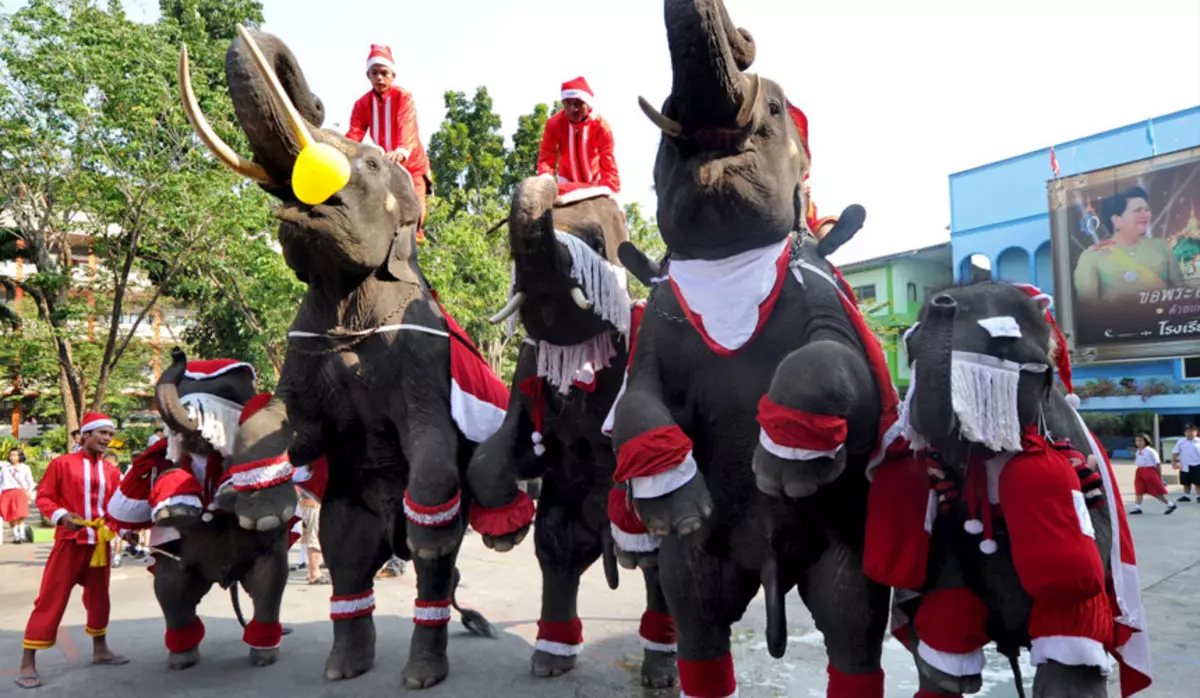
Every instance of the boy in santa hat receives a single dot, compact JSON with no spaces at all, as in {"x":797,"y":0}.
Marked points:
{"x":74,"y":494}
{"x":577,"y":144}
{"x":389,"y":114}
{"x":818,"y":225}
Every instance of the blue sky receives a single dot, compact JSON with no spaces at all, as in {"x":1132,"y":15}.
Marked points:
{"x":898,"y":95}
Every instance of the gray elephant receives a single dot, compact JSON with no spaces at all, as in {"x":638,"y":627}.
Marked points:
{"x":996,"y":515}
{"x":174,"y":487}
{"x":756,"y":391}
{"x":571,"y":296}
{"x":377,"y":377}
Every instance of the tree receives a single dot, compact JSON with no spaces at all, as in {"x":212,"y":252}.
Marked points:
{"x":467,"y":153}
{"x":521,"y":160}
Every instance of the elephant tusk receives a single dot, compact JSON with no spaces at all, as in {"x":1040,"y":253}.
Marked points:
{"x":510,"y":308}
{"x":295,"y":121}
{"x":667,"y":125}
{"x":746,"y":112}
{"x":580,"y":299}
{"x":218,"y":147}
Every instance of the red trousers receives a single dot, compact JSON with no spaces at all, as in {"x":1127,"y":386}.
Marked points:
{"x":67,"y":566}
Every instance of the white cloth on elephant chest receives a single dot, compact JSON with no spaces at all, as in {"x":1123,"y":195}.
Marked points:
{"x":728,"y":300}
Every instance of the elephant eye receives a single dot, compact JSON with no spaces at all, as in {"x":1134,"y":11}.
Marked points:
{"x":372,"y":164}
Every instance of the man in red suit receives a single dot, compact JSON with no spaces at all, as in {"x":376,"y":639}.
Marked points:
{"x":577,"y":144}
{"x":818,"y":225}
{"x":389,"y":114}
{"x":74,"y":494}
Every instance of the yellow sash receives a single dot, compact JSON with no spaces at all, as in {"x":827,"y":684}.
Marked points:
{"x":104,"y":535}
{"x":1145,"y":274}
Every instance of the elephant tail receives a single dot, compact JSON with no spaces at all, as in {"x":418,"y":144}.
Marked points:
{"x":474,"y":621}
{"x":1016,"y":670}
{"x":773,"y":592}
{"x":611,"y":574}
{"x":237,"y":604}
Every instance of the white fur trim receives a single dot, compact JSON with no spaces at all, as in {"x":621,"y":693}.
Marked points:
{"x":1081,"y":512}
{"x":578,"y":94}
{"x":789,"y":453}
{"x":1001,"y":326}
{"x":57,"y":516}
{"x":221,"y":371}
{"x":380,"y":60}
{"x":959,"y":665}
{"x":189,"y":500}
{"x":583,"y":194}
{"x":558,"y":649}
{"x":665,"y":482}
{"x":403,"y":151}
{"x":727,"y":293}
{"x":1072,"y":651}
{"x":432,"y":614}
{"x":635,"y":542}
{"x":123,"y":508}
{"x":359,"y":605}
{"x":658,"y":646}
{"x":439,"y":519}
{"x":97,"y":424}
{"x":477,"y":419}
{"x":261,"y":475}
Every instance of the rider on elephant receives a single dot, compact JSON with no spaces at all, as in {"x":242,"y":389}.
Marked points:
{"x":389,"y":114}
{"x":577,"y":144}
{"x":818,"y":225}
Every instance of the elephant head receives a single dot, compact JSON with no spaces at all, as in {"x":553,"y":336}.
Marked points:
{"x":201,"y":402}
{"x":366,"y":227}
{"x":730,"y":164}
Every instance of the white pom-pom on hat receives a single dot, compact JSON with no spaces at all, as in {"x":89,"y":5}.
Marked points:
{"x":1073,"y":400}
{"x":538,"y":449}
{"x":988,"y":547}
{"x":973,"y":526}
{"x":537,"y":437}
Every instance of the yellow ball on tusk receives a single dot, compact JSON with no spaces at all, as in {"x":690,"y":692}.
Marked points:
{"x":320,"y":172}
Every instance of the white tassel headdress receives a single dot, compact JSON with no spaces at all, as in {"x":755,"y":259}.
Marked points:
{"x":561,"y":366}
{"x":217,"y":419}
{"x":605,"y":284}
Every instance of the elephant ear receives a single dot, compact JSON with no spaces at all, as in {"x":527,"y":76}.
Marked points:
{"x":849,"y":223}
{"x":397,"y":267}
{"x":642,"y":267}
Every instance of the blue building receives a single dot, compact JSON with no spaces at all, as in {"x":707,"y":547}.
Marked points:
{"x":1000,"y":229}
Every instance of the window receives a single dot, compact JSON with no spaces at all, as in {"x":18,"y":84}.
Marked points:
{"x":865,"y":294}
{"x":912,"y":292}
{"x":1191,"y":367}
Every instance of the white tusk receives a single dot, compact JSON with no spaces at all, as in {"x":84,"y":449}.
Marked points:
{"x":513,"y":303}
{"x":580,"y":299}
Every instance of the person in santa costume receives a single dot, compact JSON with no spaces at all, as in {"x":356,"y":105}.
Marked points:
{"x":16,"y":487}
{"x":73,"y":494}
{"x":818,"y":225}
{"x":577,"y":144}
{"x":389,"y":114}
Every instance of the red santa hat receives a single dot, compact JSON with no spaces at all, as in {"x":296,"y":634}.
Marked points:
{"x":578,"y":89}
{"x":1060,"y":355}
{"x":211,"y":368}
{"x":381,"y":55}
{"x":95,"y":420}
{"x":801,"y":122}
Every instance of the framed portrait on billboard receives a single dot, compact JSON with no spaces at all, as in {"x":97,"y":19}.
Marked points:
{"x":1125,"y":242}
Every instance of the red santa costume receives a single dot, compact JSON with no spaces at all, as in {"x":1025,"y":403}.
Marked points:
{"x":812,"y":218}
{"x":78,"y":484}
{"x":580,"y":154}
{"x":1042,"y":490}
{"x":16,"y":485}
{"x":391,"y":119}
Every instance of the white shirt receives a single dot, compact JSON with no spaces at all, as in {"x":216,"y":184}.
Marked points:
{"x":16,"y":477}
{"x":1188,"y":451}
{"x":1146,"y":458}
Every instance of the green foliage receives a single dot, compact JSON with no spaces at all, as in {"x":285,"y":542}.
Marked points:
{"x":467,"y":152}
{"x":521,"y":160}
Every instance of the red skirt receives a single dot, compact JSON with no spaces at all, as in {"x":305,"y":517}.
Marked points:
{"x":1148,"y":482}
{"x":14,"y":504}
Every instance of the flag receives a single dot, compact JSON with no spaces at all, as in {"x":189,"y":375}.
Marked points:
{"x":1150,"y":137}
{"x":1053,"y":162}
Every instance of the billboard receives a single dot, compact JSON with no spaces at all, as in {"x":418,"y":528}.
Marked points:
{"x":1126,"y":255}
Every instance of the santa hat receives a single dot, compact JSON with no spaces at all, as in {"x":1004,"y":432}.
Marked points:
{"x":534,"y":388}
{"x":578,"y":89}
{"x":211,"y":368}
{"x":1059,"y":353}
{"x":94,"y":420}
{"x":801,"y":122}
{"x":381,"y":55}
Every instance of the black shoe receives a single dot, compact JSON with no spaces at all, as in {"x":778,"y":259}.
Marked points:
{"x":1184,"y":498}
{"x":1171,"y":509}
{"x":1136,"y":511}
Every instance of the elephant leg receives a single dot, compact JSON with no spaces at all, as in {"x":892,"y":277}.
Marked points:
{"x":433,"y":501}
{"x":353,"y":545}
{"x":659,"y":637}
{"x":567,"y":544}
{"x":179,"y":590}
{"x":428,"y":664}
{"x":265,"y":583}
{"x":852,"y":612}
{"x":261,"y":473}
{"x":817,"y":394}
{"x":705,"y":595}
{"x":1054,"y":680}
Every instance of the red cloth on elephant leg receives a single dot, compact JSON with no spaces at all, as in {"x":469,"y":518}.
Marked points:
{"x":710,"y":679}
{"x":129,"y":507}
{"x":952,"y":621}
{"x":503,"y":520}
{"x":621,"y":513}
{"x":652,"y":452}
{"x":854,"y":685}
{"x":901,"y":507}
{"x":478,"y":398}
{"x":176,"y":487}
{"x":185,"y":638}
{"x":789,"y":429}
{"x":262,"y":636}
{"x":561,"y":638}
{"x":1073,"y":633}
{"x":658,"y":632}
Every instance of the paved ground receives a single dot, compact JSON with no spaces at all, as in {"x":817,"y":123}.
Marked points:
{"x":506,"y":588}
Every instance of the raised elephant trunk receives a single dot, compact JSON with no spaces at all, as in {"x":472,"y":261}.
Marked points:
{"x":166,"y":396}
{"x":933,"y":409}
{"x":708,"y":55}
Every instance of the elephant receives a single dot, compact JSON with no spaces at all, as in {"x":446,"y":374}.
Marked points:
{"x":756,"y":393}
{"x":377,"y":377}
{"x":571,"y":297}
{"x":989,"y":518}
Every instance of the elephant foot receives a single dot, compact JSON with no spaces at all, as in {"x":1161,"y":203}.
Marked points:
{"x":178,"y":516}
{"x":682,"y":511}
{"x":632,"y":561}
{"x":427,"y":662}
{"x":261,"y":658}
{"x":780,"y":477}
{"x":266,"y":509}
{"x":178,"y":661}
{"x":546,"y":665}
{"x":1054,"y":680}
{"x":433,"y":543}
{"x":659,"y":669}
{"x":353,"y":652}
{"x":505,"y":543}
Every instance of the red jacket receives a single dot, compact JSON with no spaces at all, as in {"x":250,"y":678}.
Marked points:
{"x":73,"y":483}
{"x":580,"y":153}
{"x":391,"y":120}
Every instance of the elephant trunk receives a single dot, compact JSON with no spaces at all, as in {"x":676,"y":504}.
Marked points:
{"x":708,"y":55}
{"x":933,"y":408}
{"x":536,"y":251}
{"x":166,"y":396}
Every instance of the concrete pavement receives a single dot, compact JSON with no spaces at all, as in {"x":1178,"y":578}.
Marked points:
{"x":506,"y":589}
